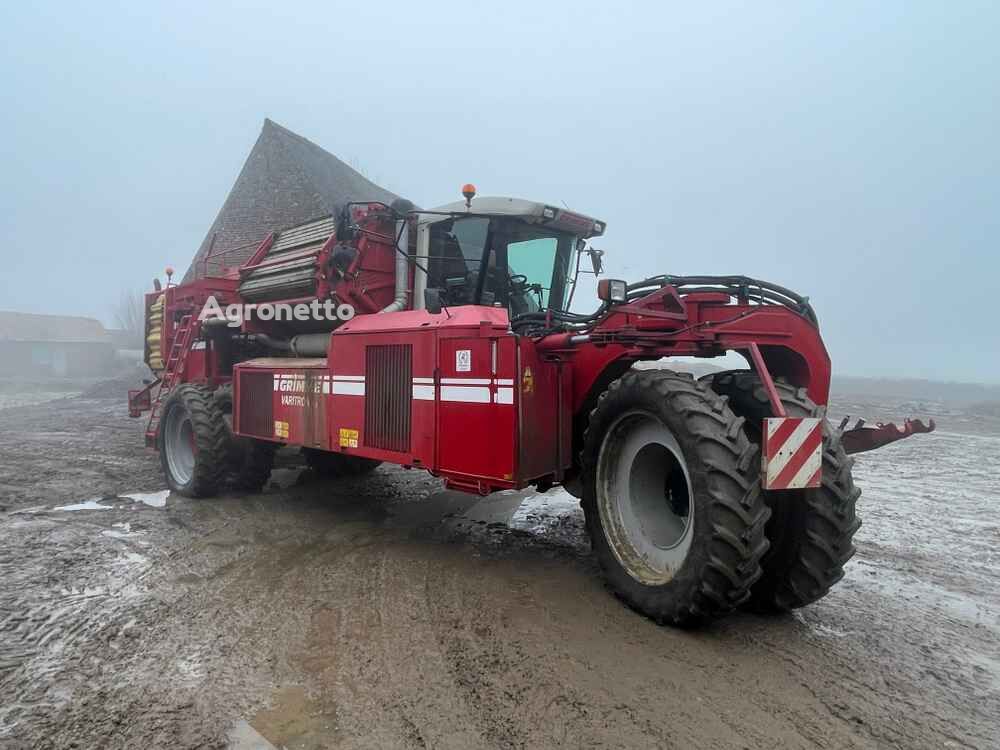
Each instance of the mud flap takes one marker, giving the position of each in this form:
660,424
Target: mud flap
792,453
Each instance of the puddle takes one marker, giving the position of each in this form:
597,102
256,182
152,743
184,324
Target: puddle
296,720
244,737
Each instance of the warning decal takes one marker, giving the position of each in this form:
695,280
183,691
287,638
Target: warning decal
792,453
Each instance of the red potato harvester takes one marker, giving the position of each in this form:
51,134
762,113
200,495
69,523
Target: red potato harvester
462,358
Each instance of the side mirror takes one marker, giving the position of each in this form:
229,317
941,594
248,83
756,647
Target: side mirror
433,300
596,259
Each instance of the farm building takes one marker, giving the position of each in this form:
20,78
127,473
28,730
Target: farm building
286,180
53,345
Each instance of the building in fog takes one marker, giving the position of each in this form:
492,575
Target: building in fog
286,180
53,346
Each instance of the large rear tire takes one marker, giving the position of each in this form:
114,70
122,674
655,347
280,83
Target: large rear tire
811,530
193,441
675,516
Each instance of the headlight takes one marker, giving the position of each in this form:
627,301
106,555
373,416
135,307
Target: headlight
612,290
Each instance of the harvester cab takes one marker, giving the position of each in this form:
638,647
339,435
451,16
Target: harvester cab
505,252
443,340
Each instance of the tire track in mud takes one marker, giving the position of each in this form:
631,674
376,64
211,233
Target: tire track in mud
85,596
60,593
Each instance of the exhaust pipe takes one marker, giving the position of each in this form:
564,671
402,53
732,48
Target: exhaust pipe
401,207
310,344
303,345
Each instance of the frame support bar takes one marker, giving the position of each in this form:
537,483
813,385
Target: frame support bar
765,377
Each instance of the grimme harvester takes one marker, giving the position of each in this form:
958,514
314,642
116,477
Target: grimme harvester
464,360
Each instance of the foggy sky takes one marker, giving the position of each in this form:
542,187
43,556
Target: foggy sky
847,152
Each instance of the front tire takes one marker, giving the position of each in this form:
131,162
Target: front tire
193,441
811,531
675,516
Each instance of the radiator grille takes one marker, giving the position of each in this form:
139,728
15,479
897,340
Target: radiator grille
256,412
388,394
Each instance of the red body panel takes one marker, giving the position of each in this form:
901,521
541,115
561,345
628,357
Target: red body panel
464,398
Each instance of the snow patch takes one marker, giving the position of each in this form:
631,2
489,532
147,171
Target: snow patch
93,504
538,512
152,499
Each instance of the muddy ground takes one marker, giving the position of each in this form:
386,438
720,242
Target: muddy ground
387,613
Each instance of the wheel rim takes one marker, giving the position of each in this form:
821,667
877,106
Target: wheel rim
644,498
178,445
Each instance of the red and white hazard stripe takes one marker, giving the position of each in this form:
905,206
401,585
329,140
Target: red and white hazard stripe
792,453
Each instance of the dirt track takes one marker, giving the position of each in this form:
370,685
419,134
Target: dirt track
387,613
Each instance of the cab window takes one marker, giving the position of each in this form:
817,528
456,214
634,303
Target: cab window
455,256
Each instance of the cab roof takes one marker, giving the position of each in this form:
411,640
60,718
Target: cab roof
529,211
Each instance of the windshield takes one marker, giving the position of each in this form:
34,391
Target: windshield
477,260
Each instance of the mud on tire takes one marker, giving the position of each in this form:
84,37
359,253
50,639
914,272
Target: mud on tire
679,554
193,441
810,531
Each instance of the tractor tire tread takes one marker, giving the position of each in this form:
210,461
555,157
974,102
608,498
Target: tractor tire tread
211,438
736,511
809,548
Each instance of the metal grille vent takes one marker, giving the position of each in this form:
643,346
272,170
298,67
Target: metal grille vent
256,414
388,396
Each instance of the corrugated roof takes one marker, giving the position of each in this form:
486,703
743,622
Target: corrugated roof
15,326
286,180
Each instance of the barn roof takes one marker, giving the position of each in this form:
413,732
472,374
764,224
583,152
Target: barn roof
15,326
286,180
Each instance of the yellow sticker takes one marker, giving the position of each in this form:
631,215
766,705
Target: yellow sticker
527,381
348,438
280,429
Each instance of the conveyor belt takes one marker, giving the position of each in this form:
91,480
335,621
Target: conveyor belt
288,270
